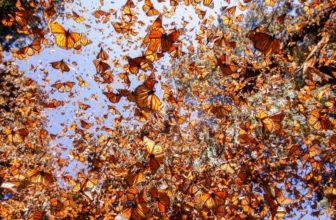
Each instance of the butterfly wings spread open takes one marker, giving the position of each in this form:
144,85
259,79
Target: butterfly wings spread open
64,39
264,43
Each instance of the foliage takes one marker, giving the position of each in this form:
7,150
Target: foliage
22,19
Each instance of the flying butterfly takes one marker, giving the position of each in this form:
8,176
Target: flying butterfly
145,97
64,39
226,69
102,54
263,42
201,13
155,154
137,63
82,82
113,97
159,40
63,86
61,65
141,115
227,20
83,105
53,104
149,8
101,66
77,17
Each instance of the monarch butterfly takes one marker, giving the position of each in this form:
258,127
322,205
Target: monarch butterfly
239,18
121,27
145,97
53,104
155,154
138,63
16,136
248,205
62,65
209,3
21,18
85,124
129,4
161,198
107,76
272,122
36,45
157,25
213,199
281,18
176,52
317,120
162,41
244,136
84,40
77,18
40,176
64,39
201,14
81,82
50,11
101,66
141,115
221,111
57,207
173,3
227,20
100,13
85,186
270,2
20,54
265,43
169,96
135,177
175,118
8,21
64,87
231,10
127,12
38,215
226,69
149,8
137,209
113,97
102,54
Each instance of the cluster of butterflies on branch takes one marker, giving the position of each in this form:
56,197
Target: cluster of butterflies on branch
224,141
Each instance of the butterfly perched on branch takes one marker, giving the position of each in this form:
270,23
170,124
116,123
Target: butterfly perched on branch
271,122
318,120
16,136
